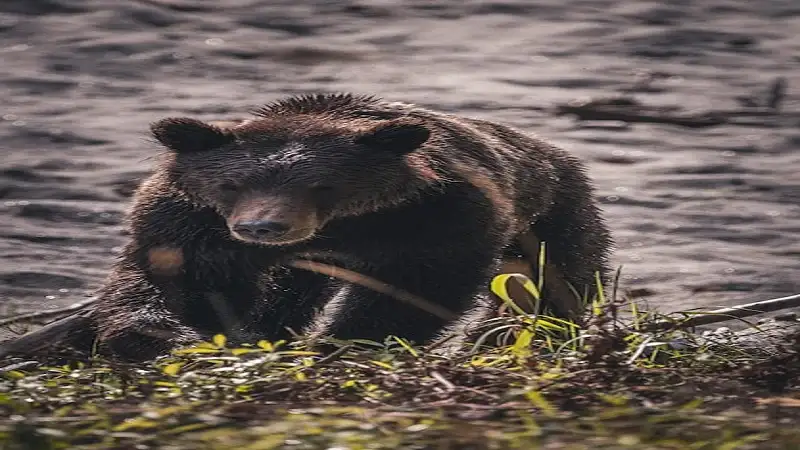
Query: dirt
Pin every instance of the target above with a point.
(703, 217)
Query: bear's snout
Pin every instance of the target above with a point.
(259, 230)
(273, 220)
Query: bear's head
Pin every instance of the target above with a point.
(279, 181)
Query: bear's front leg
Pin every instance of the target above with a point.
(133, 320)
(450, 283)
(144, 311)
(290, 302)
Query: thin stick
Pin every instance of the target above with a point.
(725, 314)
(334, 356)
(374, 284)
(48, 314)
(443, 381)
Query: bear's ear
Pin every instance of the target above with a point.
(183, 134)
(397, 136)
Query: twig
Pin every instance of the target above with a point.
(443, 381)
(440, 342)
(725, 314)
(334, 356)
(49, 314)
(374, 284)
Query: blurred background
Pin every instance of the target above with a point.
(687, 113)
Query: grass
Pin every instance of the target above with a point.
(544, 383)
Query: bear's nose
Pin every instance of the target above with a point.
(261, 229)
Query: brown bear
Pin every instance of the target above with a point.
(426, 202)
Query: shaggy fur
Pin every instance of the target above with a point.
(427, 202)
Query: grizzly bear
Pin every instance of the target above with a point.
(426, 202)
